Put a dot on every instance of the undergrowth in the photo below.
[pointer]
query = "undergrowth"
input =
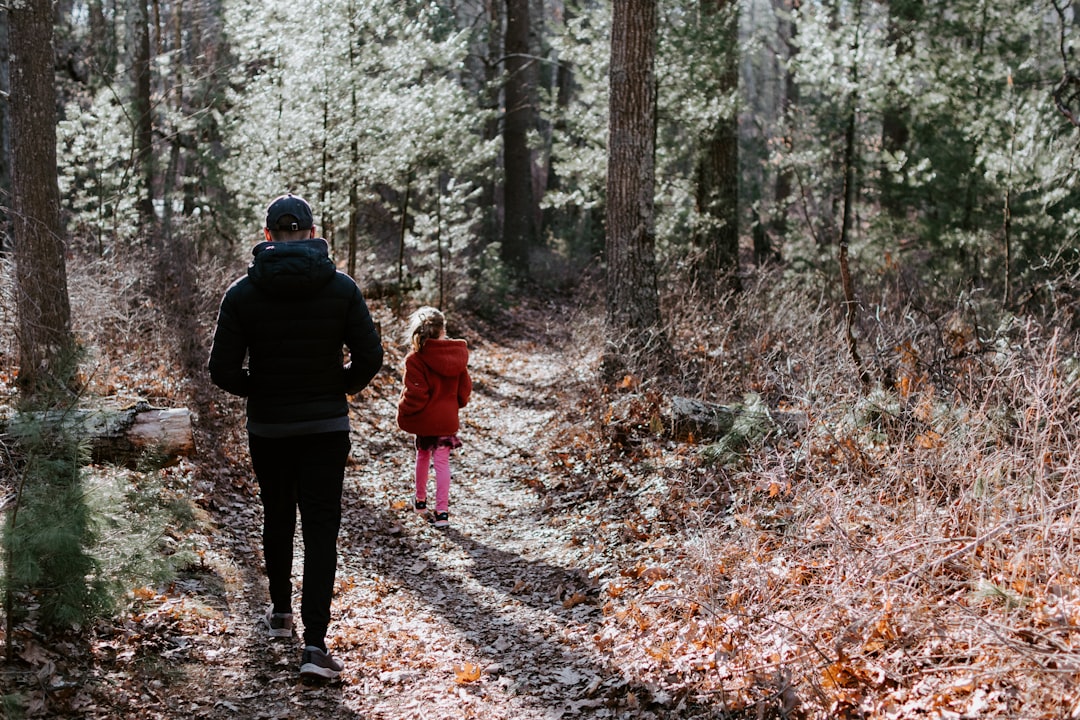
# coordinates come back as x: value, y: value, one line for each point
x: 79, y: 537
x: 913, y: 549
x: 906, y: 548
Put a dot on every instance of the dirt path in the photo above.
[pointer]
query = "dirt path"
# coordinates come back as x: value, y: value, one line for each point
x: 498, y: 617
x: 528, y: 607
x: 432, y: 610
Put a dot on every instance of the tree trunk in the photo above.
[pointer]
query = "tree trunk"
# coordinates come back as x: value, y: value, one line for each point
x: 399, y: 299
x: 327, y: 230
x: 696, y: 420
x: 439, y: 242
x: 540, y: 81
x: 142, y: 432
x: 850, y: 194
x: 489, y: 199
x: 104, y: 33
x: 354, y: 156
x: 46, y: 345
x: 972, y: 176
x: 517, y: 161
x: 5, y: 130
x: 635, y: 336
x: 174, y: 170
x: 141, y: 112
x: 717, y: 176
x: 784, y: 180
x: 894, y: 138
x: 571, y: 222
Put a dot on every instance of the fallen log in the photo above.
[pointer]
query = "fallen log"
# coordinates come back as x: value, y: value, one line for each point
x: 136, y: 433
x: 697, y: 420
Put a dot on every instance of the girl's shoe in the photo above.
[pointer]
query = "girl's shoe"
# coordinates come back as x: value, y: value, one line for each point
x: 441, y: 520
x: 419, y: 505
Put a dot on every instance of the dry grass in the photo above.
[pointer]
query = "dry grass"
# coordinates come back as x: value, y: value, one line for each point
x: 122, y: 321
x: 913, y: 552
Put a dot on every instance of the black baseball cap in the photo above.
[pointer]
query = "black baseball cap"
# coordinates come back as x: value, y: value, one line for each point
x: 288, y: 212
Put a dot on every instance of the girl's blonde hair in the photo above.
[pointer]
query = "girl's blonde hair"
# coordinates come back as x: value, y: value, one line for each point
x: 424, y: 324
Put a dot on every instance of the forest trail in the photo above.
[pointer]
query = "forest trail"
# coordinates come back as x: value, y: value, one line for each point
x: 497, y: 617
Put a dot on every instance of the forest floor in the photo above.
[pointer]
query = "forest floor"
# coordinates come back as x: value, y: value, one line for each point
x: 596, y: 567
x: 510, y: 613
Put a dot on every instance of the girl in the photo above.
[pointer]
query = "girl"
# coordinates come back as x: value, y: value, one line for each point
x: 436, y: 386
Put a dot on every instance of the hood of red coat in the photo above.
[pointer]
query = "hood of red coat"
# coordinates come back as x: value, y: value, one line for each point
x: 444, y: 356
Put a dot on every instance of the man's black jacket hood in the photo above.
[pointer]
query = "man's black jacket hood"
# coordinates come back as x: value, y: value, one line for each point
x: 298, y: 268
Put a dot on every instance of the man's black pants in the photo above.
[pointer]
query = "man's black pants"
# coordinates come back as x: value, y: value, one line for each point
x: 305, y: 471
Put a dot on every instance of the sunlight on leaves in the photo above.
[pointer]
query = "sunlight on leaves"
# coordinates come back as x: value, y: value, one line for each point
x: 466, y: 672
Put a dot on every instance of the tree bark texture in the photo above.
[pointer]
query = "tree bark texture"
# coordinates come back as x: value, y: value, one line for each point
x: 633, y: 306
x: 46, y: 344
x: 518, y: 225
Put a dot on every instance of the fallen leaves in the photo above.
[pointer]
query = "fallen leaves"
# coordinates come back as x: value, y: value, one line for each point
x: 640, y: 584
x: 574, y: 600
x: 466, y: 672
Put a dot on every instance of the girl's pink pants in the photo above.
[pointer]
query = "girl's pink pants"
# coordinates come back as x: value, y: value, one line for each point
x: 441, y: 457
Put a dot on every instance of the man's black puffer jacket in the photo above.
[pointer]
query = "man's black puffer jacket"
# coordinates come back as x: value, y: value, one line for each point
x: 290, y: 317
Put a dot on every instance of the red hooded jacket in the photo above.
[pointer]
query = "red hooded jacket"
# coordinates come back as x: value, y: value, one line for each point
x: 437, y: 384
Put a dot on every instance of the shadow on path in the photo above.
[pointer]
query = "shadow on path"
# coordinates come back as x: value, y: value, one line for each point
x: 551, y: 661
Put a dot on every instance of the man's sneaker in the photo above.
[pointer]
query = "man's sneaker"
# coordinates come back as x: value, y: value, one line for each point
x: 441, y: 520
x: 278, y: 624
x: 318, y: 664
x: 419, y: 505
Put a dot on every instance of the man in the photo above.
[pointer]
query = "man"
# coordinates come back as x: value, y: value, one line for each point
x: 290, y: 317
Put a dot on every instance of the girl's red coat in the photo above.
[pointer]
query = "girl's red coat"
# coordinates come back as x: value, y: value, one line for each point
x: 437, y: 384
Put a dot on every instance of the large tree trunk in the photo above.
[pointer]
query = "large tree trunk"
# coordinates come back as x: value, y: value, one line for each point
x: 717, y: 192
x: 46, y: 344
x: 517, y: 161
x: 635, y: 337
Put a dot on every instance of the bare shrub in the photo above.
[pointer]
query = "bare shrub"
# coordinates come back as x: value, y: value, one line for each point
x: 914, y: 550
x: 120, y: 316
